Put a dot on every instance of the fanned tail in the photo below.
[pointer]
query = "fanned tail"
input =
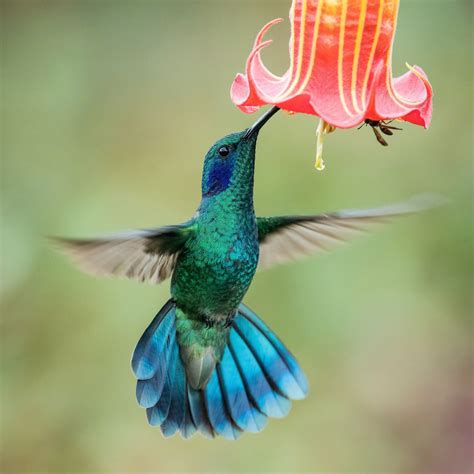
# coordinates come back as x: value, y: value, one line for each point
x: 255, y: 379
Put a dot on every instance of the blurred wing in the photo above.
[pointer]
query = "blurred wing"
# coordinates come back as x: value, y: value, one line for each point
x: 287, y: 238
x: 143, y: 255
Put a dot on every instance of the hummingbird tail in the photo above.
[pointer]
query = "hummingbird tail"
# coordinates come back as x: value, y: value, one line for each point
x: 255, y: 379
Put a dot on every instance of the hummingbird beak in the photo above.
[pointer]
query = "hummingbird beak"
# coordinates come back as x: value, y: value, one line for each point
x: 254, y: 129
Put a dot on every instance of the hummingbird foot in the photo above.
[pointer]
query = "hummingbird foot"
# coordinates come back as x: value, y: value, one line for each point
x: 209, y: 322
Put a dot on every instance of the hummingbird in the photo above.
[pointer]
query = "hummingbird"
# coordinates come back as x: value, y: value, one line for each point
x: 207, y: 363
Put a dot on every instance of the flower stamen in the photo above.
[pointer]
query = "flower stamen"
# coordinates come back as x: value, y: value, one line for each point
x: 323, y: 128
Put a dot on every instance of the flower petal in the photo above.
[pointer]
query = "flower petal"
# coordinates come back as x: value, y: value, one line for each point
x: 340, y: 67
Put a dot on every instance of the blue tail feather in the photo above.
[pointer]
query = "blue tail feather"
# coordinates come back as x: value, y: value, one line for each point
x: 158, y: 413
x: 199, y: 412
x: 263, y: 397
x: 285, y: 354
x: 149, y: 390
x: 219, y: 417
x: 164, y: 403
x: 243, y: 413
x: 147, y: 357
x: 177, y: 411
x: 274, y: 366
x: 255, y: 379
x: 188, y: 427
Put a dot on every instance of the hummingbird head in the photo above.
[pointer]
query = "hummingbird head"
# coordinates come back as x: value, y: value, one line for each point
x: 230, y: 161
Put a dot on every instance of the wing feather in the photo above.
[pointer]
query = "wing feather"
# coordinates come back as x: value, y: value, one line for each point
x: 143, y: 255
x: 287, y: 238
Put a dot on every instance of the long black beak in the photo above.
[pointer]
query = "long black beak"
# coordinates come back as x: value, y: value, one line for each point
x: 253, y: 130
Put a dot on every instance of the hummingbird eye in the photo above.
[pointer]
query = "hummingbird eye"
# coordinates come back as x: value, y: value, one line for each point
x: 223, y: 151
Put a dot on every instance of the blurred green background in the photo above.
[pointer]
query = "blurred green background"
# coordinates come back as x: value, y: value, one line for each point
x: 108, y: 108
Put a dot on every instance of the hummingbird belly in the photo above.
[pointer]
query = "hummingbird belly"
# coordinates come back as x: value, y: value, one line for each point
x: 211, y: 282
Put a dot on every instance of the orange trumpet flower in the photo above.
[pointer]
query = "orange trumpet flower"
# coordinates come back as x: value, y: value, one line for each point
x: 340, y: 69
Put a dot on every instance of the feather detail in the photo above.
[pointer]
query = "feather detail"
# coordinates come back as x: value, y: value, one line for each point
x: 242, y: 411
x: 258, y: 388
x: 254, y: 379
x: 178, y: 405
x: 143, y: 255
x: 286, y: 238
x: 219, y: 416
x: 275, y: 368
x: 199, y: 413
x: 198, y: 368
x: 147, y: 357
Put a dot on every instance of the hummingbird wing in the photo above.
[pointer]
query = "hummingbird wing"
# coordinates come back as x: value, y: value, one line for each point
x: 143, y: 255
x: 287, y: 238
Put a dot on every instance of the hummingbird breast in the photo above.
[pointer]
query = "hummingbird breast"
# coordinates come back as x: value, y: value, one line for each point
x: 215, y: 270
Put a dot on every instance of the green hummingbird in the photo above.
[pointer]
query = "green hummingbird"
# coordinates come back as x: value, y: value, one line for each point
x: 206, y: 362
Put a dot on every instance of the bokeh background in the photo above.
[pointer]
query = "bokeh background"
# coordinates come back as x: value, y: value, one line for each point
x: 108, y: 108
